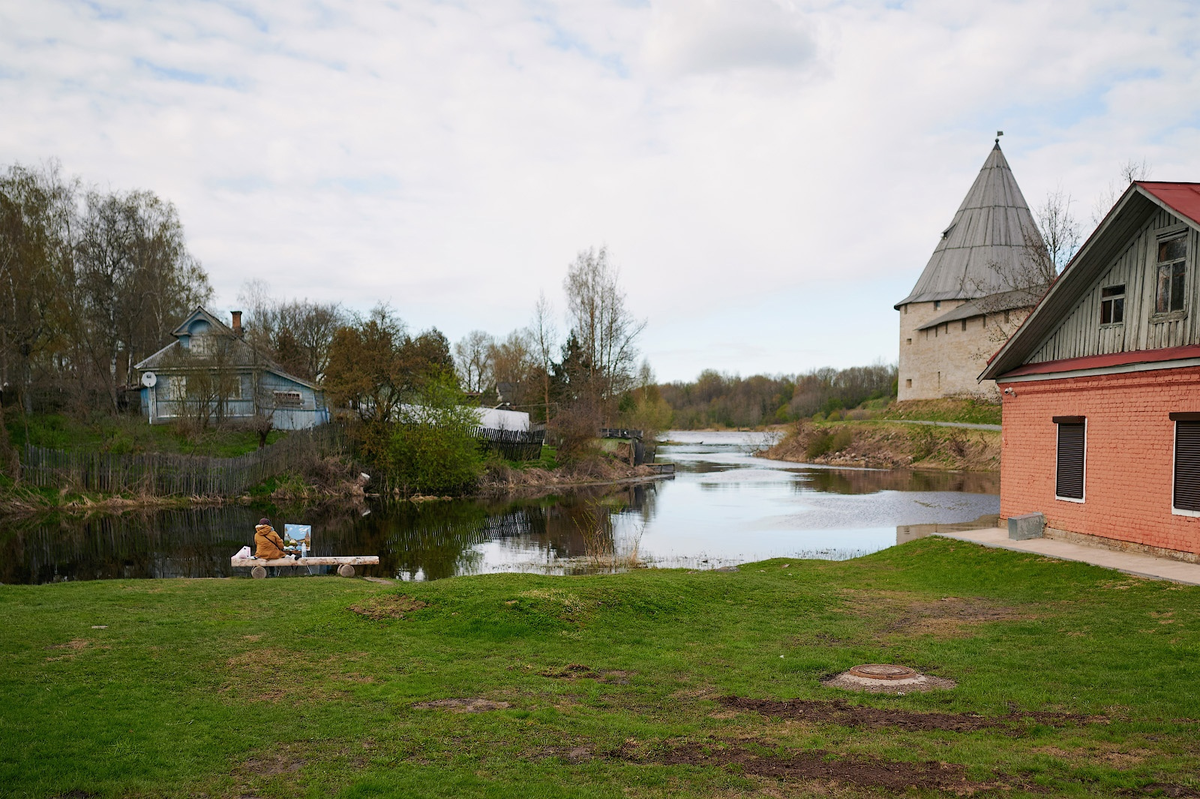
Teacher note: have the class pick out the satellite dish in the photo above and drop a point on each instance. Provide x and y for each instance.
(149, 379)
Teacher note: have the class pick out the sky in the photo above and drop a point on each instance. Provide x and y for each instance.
(769, 176)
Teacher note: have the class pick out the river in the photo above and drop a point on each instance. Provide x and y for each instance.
(724, 506)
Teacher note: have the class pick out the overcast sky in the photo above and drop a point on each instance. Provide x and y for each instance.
(770, 176)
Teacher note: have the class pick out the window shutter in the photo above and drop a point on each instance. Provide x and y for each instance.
(1068, 482)
(1187, 465)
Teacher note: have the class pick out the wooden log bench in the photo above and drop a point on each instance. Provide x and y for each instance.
(345, 564)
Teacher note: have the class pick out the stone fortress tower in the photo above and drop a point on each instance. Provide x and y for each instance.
(979, 285)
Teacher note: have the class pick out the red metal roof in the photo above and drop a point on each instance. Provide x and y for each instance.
(1103, 361)
(1183, 198)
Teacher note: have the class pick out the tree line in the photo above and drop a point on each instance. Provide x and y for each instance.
(718, 400)
(91, 282)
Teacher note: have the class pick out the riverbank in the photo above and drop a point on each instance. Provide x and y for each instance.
(649, 683)
(881, 444)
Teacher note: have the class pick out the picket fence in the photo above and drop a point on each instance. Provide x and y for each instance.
(172, 475)
(516, 445)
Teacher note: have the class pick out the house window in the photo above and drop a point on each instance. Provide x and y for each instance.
(910, 341)
(908, 382)
(1006, 313)
(1072, 453)
(937, 304)
(1112, 305)
(288, 399)
(1172, 256)
(964, 324)
(1185, 489)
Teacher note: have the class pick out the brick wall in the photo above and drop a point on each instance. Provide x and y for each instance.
(1129, 460)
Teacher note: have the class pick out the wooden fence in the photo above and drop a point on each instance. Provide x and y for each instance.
(516, 445)
(165, 475)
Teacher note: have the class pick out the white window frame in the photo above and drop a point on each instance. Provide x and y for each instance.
(1076, 500)
(278, 395)
(1174, 449)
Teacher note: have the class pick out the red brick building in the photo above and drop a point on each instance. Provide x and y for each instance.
(1101, 384)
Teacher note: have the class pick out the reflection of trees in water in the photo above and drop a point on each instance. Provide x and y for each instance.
(436, 539)
(433, 539)
(174, 543)
(864, 481)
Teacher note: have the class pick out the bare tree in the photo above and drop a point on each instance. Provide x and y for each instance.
(545, 342)
(1130, 172)
(512, 364)
(606, 331)
(472, 361)
(36, 212)
(297, 332)
(134, 280)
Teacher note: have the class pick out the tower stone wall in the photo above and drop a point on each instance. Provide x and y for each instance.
(944, 361)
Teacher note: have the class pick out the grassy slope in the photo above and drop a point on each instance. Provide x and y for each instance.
(275, 688)
(126, 434)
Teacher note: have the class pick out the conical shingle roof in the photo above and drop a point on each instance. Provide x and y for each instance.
(988, 239)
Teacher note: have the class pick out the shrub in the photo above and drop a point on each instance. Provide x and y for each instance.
(432, 449)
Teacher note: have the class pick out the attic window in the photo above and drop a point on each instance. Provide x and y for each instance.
(1172, 274)
(1112, 305)
(288, 399)
(946, 232)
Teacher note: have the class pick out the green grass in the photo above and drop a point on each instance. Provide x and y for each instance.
(970, 411)
(125, 434)
(276, 689)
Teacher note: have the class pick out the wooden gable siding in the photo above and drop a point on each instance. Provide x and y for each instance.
(1081, 334)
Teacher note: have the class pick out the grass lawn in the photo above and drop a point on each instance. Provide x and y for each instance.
(1072, 680)
(128, 434)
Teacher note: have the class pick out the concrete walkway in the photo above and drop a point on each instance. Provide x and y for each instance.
(1128, 562)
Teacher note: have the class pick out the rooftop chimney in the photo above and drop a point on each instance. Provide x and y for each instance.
(237, 323)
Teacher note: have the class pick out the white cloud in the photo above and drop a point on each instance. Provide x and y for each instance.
(769, 176)
(698, 36)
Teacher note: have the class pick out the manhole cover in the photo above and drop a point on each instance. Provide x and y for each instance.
(883, 671)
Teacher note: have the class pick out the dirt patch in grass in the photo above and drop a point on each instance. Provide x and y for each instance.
(69, 649)
(475, 705)
(388, 606)
(947, 617)
(817, 765)
(578, 671)
(272, 674)
(842, 713)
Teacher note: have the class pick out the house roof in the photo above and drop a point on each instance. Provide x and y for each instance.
(217, 324)
(988, 238)
(238, 355)
(993, 303)
(1129, 213)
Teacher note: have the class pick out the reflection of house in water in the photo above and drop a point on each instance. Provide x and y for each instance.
(911, 532)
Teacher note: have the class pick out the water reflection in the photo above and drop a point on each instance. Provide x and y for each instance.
(726, 505)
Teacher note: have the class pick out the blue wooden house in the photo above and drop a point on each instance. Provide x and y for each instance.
(210, 374)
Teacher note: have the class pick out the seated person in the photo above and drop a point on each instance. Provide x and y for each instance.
(268, 544)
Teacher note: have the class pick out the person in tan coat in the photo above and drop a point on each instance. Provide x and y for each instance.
(268, 544)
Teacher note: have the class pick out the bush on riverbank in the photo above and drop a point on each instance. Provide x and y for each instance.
(883, 445)
(1071, 680)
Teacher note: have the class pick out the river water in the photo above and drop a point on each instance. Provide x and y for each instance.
(724, 506)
